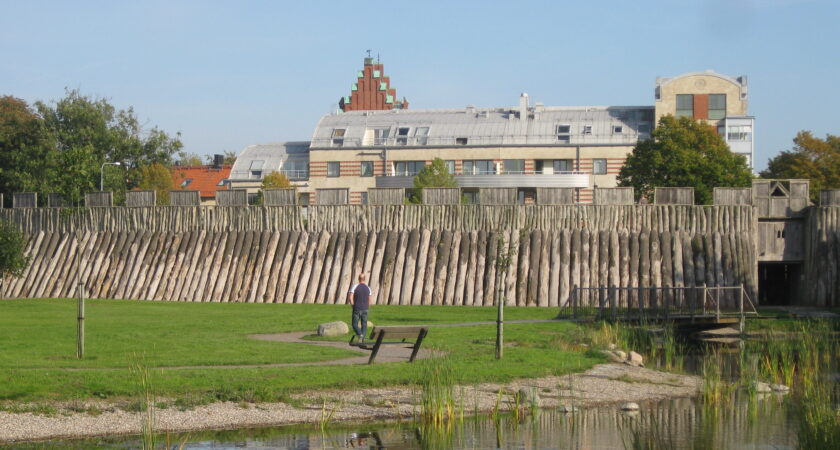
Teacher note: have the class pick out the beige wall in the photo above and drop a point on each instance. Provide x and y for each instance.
(705, 83)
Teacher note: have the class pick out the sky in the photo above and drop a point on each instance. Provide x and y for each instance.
(228, 74)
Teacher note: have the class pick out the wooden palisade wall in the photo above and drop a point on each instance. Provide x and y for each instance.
(386, 196)
(441, 196)
(732, 196)
(140, 198)
(556, 196)
(673, 196)
(278, 197)
(184, 198)
(268, 254)
(613, 196)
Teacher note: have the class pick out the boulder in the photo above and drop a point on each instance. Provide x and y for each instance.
(635, 359)
(779, 388)
(629, 406)
(762, 388)
(333, 329)
(612, 356)
(621, 355)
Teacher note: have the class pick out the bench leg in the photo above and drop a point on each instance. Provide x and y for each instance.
(376, 347)
(417, 345)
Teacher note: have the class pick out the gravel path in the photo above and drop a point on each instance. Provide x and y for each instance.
(601, 385)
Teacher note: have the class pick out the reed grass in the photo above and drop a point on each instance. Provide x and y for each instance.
(147, 401)
(438, 406)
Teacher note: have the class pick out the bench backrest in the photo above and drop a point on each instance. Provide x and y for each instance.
(398, 332)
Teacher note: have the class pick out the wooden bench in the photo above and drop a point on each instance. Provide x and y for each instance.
(410, 337)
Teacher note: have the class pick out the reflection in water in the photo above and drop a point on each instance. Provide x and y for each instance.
(679, 423)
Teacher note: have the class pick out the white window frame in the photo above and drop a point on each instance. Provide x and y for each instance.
(595, 164)
(330, 165)
(337, 137)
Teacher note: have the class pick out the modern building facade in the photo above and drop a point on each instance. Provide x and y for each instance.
(376, 142)
(716, 99)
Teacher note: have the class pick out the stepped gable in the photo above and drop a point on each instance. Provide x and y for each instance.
(372, 90)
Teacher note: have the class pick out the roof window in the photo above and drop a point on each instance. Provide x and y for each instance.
(587, 129)
(461, 141)
(338, 137)
(186, 182)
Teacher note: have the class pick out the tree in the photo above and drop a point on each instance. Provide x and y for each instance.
(276, 180)
(811, 157)
(189, 159)
(13, 260)
(87, 132)
(435, 174)
(684, 152)
(158, 178)
(26, 148)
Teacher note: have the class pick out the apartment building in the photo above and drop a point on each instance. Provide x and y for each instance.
(376, 141)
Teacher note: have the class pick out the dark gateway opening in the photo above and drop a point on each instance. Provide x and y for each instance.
(778, 283)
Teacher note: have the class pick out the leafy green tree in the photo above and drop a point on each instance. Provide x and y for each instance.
(435, 174)
(26, 149)
(158, 178)
(811, 157)
(684, 152)
(88, 132)
(189, 159)
(276, 180)
(13, 260)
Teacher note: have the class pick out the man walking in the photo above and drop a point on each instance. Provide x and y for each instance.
(359, 297)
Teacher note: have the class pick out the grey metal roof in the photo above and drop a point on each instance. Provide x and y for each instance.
(489, 126)
(272, 155)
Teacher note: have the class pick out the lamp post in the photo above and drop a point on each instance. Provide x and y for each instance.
(102, 173)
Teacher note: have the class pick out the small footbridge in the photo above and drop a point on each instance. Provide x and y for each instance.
(700, 308)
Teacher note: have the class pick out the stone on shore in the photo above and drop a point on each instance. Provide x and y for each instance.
(630, 406)
(762, 387)
(338, 328)
(635, 359)
(779, 388)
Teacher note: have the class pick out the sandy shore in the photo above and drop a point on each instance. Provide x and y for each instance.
(604, 384)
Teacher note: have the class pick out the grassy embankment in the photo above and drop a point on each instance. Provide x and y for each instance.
(38, 364)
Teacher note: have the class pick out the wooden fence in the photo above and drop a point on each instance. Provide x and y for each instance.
(673, 196)
(184, 198)
(99, 199)
(821, 286)
(830, 197)
(280, 197)
(25, 200)
(140, 198)
(556, 196)
(441, 196)
(386, 196)
(352, 218)
(497, 196)
(232, 197)
(332, 196)
(614, 196)
(405, 266)
(732, 196)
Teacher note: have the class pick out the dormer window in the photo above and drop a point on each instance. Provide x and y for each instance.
(617, 129)
(402, 135)
(421, 135)
(338, 137)
(255, 170)
(461, 141)
(563, 133)
(587, 129)
(186, 182)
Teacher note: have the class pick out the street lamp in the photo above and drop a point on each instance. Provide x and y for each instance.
(102, 173)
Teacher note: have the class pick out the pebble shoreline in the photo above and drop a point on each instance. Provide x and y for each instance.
(604, 384)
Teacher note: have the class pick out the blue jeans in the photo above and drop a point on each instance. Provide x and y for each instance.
(360, 316)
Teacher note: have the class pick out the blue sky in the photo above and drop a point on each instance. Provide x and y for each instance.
(230, 74)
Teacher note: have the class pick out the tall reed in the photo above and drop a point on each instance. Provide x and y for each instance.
(146, 396)
(437, 400)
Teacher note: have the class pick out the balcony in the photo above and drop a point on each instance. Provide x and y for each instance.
(563, 179)
(296, 175)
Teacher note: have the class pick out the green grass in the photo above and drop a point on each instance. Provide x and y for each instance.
(37, 361)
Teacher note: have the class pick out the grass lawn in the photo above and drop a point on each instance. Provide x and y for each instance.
(37, 349)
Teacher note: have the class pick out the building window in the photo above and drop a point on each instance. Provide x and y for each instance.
(186, 182)
(376, 136)
(408, 168)
(402, 136)
(563, 132)
(338, 137)
(685, 105)
(742, 133)
(599, 166)
(563, 165)
(461, 141)
(363, 198)
(333, 169)
(450, 166)
(643, 128)
(717, 106)
(255, 170)
(587, 129)
(421, 135)
(295, 170)
(514, 166)
(478, 167)
(470, 197)
(617, 129)
(367, 169)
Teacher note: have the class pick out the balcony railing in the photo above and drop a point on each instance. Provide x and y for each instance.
(628, 137)
(294, 175)
(573, 179)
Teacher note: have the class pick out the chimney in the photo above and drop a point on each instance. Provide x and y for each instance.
(218, 161)
(523, 106)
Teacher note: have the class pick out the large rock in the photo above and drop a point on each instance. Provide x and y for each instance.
(333, 329)
(762, 387)
(630, 406)
(635, 359)
(779, 388)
